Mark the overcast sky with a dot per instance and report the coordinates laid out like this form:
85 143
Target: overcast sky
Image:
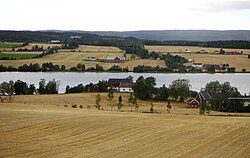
124 15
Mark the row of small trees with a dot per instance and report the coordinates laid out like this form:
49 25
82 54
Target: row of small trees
132 101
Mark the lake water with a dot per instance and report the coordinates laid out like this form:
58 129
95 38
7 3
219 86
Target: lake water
198 81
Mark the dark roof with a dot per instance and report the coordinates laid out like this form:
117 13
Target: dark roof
118 80
205 95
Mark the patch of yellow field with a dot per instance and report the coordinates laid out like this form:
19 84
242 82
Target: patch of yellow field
45 45
40 126
237 61
180 49
147 62
28 52
87 48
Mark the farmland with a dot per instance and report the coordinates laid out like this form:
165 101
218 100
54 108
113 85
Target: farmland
181 49
44 45
41 126
70 59
237 61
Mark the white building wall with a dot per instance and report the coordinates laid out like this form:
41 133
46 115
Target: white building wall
126 89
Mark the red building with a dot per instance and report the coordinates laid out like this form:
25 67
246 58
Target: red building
201 97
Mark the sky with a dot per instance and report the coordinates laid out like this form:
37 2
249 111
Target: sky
124 15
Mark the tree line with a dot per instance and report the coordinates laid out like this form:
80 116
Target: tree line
144 89
217 44
19 87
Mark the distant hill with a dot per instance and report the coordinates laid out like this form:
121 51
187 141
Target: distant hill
186 35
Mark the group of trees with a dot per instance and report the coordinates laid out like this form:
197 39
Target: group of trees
101 86
220 94
132 101
143 68
118 68
21 88
145 89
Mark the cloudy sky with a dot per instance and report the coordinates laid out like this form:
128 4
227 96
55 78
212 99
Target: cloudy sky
124 15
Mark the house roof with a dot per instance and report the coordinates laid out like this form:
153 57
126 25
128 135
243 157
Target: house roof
118 80
127 85
205 95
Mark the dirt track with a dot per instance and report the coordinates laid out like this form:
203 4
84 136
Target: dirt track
34 127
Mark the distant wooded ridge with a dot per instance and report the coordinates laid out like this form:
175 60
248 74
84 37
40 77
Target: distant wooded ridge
181 35
132 45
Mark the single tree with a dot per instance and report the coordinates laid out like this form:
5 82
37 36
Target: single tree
120 103
169 106
97 101
110 98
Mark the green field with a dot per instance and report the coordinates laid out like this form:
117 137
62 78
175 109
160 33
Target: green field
15 56
10 45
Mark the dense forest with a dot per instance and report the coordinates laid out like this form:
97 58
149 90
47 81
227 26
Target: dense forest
217 44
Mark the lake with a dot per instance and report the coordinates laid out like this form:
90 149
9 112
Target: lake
198 81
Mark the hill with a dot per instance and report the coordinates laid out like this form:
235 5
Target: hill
186 35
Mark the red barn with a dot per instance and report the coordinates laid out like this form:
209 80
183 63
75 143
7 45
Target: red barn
201 97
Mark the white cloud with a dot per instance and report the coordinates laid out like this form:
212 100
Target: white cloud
222 5
123 14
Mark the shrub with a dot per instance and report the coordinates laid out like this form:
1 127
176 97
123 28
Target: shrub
74 106
65 105
81 106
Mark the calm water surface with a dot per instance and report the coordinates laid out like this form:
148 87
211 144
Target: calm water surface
198 81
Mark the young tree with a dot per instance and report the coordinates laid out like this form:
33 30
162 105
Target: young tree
169 106
152 108
204 108
110 98
97 101
120 103
130 100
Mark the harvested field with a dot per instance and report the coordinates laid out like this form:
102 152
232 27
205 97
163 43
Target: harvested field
87 48
181 49
237 61
40 126
45 45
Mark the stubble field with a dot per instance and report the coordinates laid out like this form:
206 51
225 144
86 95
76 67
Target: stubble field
40 126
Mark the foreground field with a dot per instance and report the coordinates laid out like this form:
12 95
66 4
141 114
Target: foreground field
181 49
40 126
